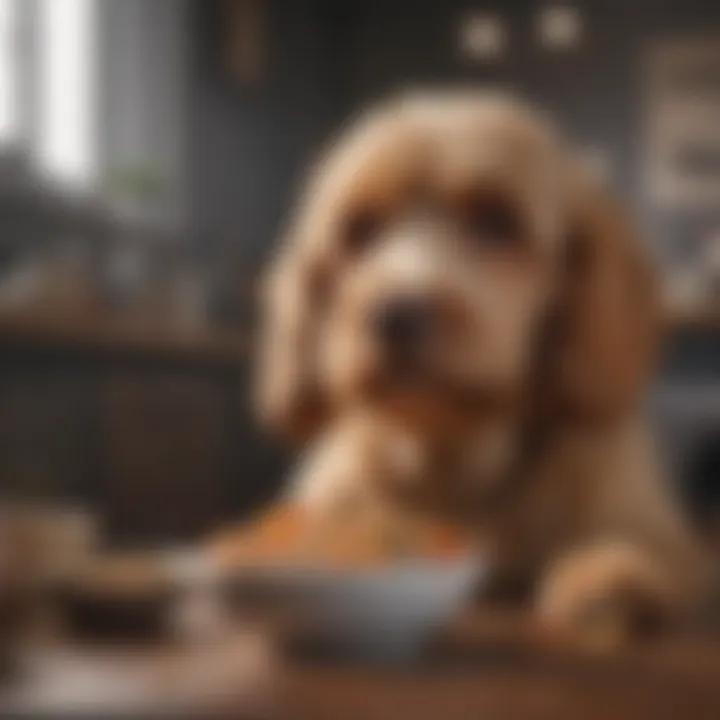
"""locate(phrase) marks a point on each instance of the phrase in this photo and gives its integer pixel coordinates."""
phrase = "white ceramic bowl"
(384, 614)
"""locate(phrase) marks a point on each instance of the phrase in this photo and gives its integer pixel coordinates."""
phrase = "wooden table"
(498, 664)
(493, 664)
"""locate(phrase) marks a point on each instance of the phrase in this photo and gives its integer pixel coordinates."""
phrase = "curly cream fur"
(540, 448)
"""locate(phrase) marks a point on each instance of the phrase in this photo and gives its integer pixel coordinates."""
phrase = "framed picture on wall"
(681, 168)
(682, 124)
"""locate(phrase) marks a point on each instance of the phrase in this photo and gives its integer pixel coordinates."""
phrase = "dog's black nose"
(404, 323)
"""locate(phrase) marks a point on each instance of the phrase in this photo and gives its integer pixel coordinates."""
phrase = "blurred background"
(149, 150)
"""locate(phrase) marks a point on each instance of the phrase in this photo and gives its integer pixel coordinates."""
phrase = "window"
(66, 139)
(9, 73)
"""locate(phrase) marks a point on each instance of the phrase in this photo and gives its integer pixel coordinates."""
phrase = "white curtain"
(9, 73)
(66, 146)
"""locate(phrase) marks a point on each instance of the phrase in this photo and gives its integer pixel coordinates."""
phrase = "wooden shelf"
(104, 332)
(92, 331)
(701, 319)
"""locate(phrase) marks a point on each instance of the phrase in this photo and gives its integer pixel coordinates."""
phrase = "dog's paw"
(604, 595)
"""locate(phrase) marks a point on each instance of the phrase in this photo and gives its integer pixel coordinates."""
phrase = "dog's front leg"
(605, 592)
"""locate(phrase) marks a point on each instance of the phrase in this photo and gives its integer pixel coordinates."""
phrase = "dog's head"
(449, 254)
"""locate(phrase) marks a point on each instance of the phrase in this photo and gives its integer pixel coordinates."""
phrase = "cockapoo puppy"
(461, 325)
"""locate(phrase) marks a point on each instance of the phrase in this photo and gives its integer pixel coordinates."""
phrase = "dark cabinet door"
(166, 454)
(161, 450)
(47, 449)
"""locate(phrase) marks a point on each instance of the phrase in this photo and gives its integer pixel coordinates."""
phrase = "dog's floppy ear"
(608, 322)
(289, 396)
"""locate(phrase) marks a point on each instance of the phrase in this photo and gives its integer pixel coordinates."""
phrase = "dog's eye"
(360, 229)
(494, 224)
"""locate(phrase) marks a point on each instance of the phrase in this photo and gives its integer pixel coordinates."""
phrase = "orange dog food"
(283, 534)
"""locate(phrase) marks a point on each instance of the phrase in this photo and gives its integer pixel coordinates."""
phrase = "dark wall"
(326, 58)
(248, 142)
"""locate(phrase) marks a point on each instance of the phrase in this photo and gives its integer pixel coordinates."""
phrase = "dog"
(462, 325)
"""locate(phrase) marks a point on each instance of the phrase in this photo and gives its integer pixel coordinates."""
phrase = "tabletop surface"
(493, 663)
(500, 664)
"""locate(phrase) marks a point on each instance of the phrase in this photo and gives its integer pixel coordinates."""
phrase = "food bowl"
(386, 614)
